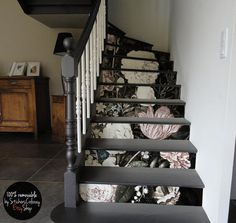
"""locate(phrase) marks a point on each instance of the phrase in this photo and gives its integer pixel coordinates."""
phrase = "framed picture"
(18, 69)
(12, 69)
(33, 69)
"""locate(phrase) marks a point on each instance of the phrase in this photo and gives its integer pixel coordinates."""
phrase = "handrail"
(80, 46)
(80, 69)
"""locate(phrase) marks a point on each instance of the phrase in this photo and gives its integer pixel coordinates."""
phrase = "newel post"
(69, 76)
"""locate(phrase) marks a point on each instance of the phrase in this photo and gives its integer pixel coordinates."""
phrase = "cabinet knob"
(13, 82)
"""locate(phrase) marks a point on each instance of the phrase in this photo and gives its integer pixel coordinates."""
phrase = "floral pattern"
(130, 91)
(162, 85)
(132, 110)
(171, 197)
(134, 194)
(177, 160)
(161, 78)
(98, 193)
(160, 132)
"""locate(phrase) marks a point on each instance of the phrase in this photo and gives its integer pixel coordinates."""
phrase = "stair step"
(134, 70)
(128, 213)
(142, 101)
(129, 58)
(130, 48)
(141, 176)
(136, 144)
(163, 78)
(140, 84)
(137, 120)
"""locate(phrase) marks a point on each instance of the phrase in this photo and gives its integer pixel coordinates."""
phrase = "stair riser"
(127, 43)
(140, 158)
(116, 62)
(128, 194)
(132, 110)
(116, 47)
(131, 91)
(131, 77)
(152, 131)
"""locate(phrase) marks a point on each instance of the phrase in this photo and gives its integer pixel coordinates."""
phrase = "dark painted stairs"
(164, 177)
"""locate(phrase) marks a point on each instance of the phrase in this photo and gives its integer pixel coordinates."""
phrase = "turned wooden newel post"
(69, 76)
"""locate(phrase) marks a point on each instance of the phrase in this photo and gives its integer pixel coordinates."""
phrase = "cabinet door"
(16, 108)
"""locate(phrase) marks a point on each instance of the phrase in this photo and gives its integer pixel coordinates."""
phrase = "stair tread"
(141, 176)
(129, 213)
(143, 101)
(129, 58)
(137, 70)
(130, 47)
(138, 120)
(139, 144)
(140, 84)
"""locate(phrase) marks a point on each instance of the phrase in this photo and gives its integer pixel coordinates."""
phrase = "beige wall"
(24, 39)
(149, 21)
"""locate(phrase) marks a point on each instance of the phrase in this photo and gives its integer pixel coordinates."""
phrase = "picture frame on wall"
(18, 69)
(33, 69)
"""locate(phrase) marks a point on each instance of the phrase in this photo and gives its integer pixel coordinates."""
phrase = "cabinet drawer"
(14, 83)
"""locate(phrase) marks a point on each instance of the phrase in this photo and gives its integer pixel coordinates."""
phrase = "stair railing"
(80, 70)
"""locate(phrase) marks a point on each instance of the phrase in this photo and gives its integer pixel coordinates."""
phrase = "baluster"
(83, 92)
(87, 62)
(105, 19)
(98, 47)
(78, 109)
(100, 35)
(103, 24)
(91, 67)
(95, 55)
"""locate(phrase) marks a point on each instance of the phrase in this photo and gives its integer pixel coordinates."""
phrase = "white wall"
(146, 20)
(24, 39)
(209, 90)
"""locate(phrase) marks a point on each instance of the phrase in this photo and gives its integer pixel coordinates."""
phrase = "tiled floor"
(40, 162)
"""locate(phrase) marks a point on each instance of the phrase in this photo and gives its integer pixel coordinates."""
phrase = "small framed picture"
(18, 69)
(12, 69)
(33, 69)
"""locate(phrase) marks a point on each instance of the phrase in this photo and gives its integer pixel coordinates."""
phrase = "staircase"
(139, 162)
(133, 162)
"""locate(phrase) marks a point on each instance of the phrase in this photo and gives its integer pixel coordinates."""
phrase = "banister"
(80, 46)
(80, 69)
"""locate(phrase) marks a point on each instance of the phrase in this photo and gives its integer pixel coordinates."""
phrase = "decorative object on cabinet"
(24, 104)
(19, 69)
(12, 69)
(58, 117)
(33, 69)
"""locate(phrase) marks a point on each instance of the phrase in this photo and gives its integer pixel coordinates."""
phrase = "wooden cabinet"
(24, 104)
(58, 117)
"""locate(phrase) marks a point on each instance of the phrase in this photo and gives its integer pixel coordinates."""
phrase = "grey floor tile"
(19, 168)
(53, 171)
(4, 184)
(25, 150)
(61, 155)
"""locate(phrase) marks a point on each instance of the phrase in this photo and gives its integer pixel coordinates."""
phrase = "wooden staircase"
(135, 162)
(114, 94)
